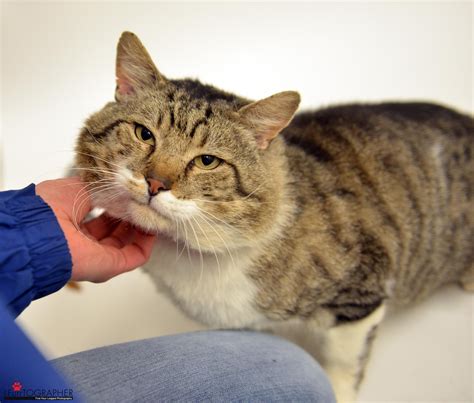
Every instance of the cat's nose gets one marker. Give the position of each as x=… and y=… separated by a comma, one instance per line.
x=154, y=186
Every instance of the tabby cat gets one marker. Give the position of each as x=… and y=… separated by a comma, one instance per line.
x=321, y=219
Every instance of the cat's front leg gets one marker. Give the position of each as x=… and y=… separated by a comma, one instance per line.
x=345, y=353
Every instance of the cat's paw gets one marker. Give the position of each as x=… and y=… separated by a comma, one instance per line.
x=345, y=396
x=467, y=280
x=343, y=385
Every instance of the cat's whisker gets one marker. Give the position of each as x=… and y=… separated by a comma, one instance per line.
x=216, y=218
x=100, y=159
x=183, y=238
x=235, y=200
x=75, y=212
x=103, y=171
x=93, y=169
x=73, y=184
x=177, y=238
x=254, y=191
x=91, y=193
x=186, y=237
x=200, y=252
x=88, y=184
x=96, y=168
x=113, y=196
x=212, y=246
x=96, y=184
x=216, y=201
x=218, y=231
x=233, y=228
x=109, y=175
x=220, y=237
x=93, y=137
x=85, y=195
x=227, y=201
x=99, y=189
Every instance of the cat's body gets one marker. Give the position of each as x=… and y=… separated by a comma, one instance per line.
x=384, y=191
x=348, y=210
x=372, y=204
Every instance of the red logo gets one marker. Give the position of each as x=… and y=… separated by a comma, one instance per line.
x=16, y=386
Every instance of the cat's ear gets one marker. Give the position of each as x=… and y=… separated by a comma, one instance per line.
x=271, y=115
x=134, y=68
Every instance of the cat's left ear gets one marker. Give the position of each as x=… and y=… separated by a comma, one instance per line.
x=270, y=116
x=134, y=68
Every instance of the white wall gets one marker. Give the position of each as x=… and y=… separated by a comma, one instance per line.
x=58, y=60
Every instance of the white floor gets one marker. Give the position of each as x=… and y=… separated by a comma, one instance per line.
x=424, y=354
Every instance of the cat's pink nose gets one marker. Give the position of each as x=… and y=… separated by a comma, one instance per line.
x=154, y=186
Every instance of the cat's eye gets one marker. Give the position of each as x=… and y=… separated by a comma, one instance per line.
x=207, y=162
x=145, y=135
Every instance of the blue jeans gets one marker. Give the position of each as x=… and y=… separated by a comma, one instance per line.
x=211, y=366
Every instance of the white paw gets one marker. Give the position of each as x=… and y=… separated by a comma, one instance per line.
x=343, y=385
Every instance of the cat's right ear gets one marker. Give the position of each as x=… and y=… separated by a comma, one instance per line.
x=269, y=116
x=134, y=68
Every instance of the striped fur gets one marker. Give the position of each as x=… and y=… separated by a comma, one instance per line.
x=350, y=209
x=385, y=193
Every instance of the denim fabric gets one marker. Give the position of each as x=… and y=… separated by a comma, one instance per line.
x=202, y=366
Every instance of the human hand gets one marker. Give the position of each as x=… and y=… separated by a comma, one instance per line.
x=101, y=248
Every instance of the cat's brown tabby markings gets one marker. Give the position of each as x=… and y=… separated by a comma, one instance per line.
x=321, y=219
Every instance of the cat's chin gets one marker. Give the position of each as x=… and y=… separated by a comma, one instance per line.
x=148, y=219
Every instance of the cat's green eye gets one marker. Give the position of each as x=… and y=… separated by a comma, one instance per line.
x=145, y=135
x=207, y=162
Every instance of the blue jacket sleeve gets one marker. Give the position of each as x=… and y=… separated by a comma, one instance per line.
x=34, y=256
x=24, y=373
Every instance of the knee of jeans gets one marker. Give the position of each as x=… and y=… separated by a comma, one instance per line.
x=286, y=371
x=210, y=365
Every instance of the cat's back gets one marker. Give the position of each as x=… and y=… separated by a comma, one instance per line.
x=383, y=120
x=399, y=173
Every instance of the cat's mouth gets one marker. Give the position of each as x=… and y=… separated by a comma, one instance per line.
x=147, y=217
x=147, y=207
x=144, y=203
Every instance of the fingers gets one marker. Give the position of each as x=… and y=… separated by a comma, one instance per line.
x=136, y=253
x=122, y=235
x=102, y=226
x=102, y=261
x=130, y=256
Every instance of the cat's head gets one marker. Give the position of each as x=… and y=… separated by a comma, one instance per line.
x=183, y=158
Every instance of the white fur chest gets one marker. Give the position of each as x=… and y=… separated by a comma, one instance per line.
x=216, y=292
